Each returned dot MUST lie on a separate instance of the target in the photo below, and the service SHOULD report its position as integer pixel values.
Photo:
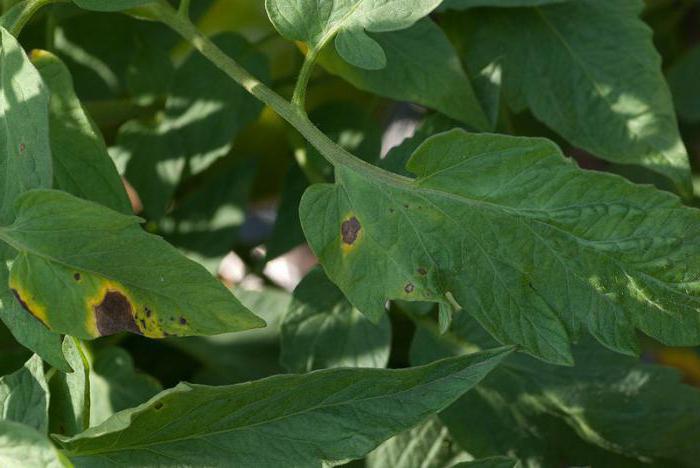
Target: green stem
(184, 8)
(86, 395)
(336, 155)
(18, 16)
(299, 97)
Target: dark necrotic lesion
(115, 314)
(349, 230)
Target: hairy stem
(299, 97)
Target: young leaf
(26, 329)
(589, 70)
(24, 396)
(324, 416)
(88, 271)
(427, 445)
(606, 406)
(69, 410)
(422, 67)
(22, 446)
(322, 330)
(316, 22)
(520, 237)
(82, 165)
(25, 158)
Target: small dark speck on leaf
(349, 230)
(409, 288)
(158, 405)
(22, 147)
(148, 311)
(76, 276)
(422, 271)
(183, 321)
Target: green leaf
(322, 330)
(116, 385)
(111, 5)
(205, 223)
(69, 410)
(427, 445)
(588, 70)
(422, 67)
(200, 120)
(82, 165)
(520, 237)
(325, 416)
(682, 77)
(241, 357)
(26, 329)
(109, 276)
(25, 155)
(24, 396)
(23, 447)
(606, 406)
(316, 22)
(465, 4)
(493, 462)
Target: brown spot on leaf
(148, 311)
(76, 276)
(24, 305)
(22, 147)
(349, 230)
(183, 321)
(422, 271)
(158, 405)
(114, 315)
(409, 288)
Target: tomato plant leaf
(316, 22)
(427, 445)
(70, 393)
(81, 163)
(615, 104)
(109, 276)
(322, 330)
(116, 385)
(111, 5)
(422, 67)
(496, 213)
(328, 415)
(197, 127)
(24, 396)
(562, 415)
(26, 329)
(25, 155)
(23, 446)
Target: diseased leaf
(605, 407)
(197, 127)
(70, 393)
(322, 330)
(88, 271)
(26, 329)
(24, 396)
(316, 22)
(587, 69)
(22, 446)
(683, 79)
(427, 445)
(82, 165)
(116, 385)
(422, 67)
(25, 155)
(519, 237)
(325, 416)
